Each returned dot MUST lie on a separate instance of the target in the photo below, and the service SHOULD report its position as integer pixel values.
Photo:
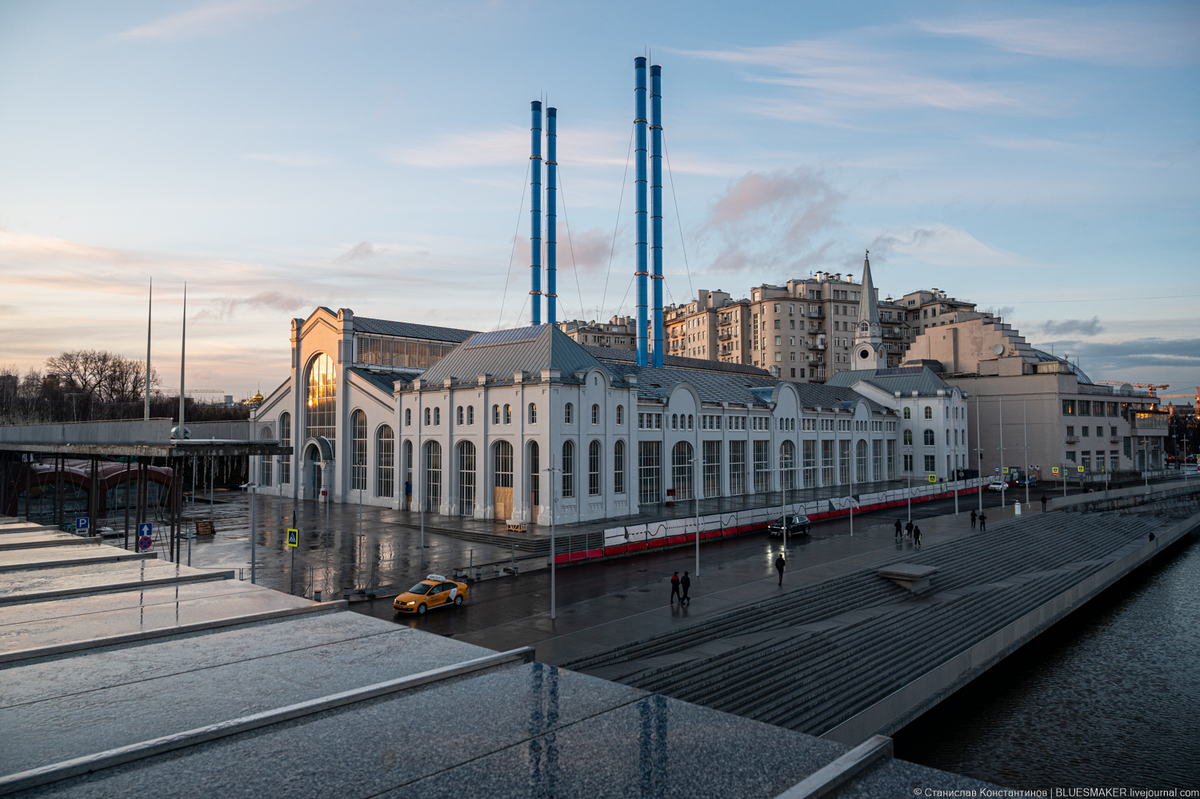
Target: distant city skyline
(1040, 161)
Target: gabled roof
(609, 355)
(385, 381)
(385, 327)
(500, 353)
(905, 379)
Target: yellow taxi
(434, 591)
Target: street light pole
(1025, 426)
(696, 497)
(550, 470)
(979, 452)
(1003, 476)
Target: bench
(205, 527)
(517, 527)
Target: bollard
(1017, 508)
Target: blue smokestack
(535, 215)
(551, 215)
(656, 207)
(639, 93)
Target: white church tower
(868, 339)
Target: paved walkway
(596, 625)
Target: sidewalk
(599, 624)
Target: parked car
(432, 592)
(797, 525)
(998, 485)
(1031, 481)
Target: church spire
(868, 340)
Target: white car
(999, 485)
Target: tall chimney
(551, 215)
(535, 215)
(639, 121)
(656, 208)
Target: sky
(1039, 159)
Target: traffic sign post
(145, 536)
(293, 541)
(933, 478)
(83, 525)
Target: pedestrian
(982, 522)
(908, 528)
(780, 563)
(685, 583)
(898, 528)
(973, 520)
(1043, 503)
(675, 587)
(917, 535)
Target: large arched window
(929, 438)
(619, 467)
(385, 462)
(787, 464)
(533, 413)
(568, 467)
(595, 459)
(466, 479)
(860, 461)
(502, 464)
(264, 472)
(321, 402)
(681, 470)
(433, 477)
(285, 440)
(408, 471)
(358, 462)
(908, 436)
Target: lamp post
(551, 470)
(253, 531)
(696, 497)
(979, 452)
(1025, 426)
(1003, 480)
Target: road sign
(1054, 470)
(997, 470)
(933, 478)
(1079, 469)
(1006, 470)
(145, 529)
(145, 542)
(81, 524)
(293, 537)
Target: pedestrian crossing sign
(1079, 469)
(1054, 470)
(1006, 470)
(933, 478)
(293, 537)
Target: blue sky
(1038, 159)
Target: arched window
(787, 464)
(358, 462)
(428, 416)
(929, 439)
(908, 437)
(595, 458)
(285, 440)
(502, 465)
(466, 479)
(860, 461)
(568, 413)
(321, 402)
(495, 414)
(691, 422)
(681, 470)
(535, 475)
(568, 467)
(264, 462)
(947, 436)
(461, 416)
(908, 413)
(385, 462)
(437, 416)
(674, 421)
(928, 412)
(408, 417)
(433, 477)
(620, 414)
(533, 413)
(470, 415)
(507, 414)
(408, 472)
(595, 414)
(619, 467)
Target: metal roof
(905, 379)
(385, 327)
(607, 355)
(500, 353)
(384, 380)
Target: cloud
(205, 19)
(773, 219)
(268, 300)
(589, 248)
(1083, 36)
(1082, 327)
(943, 245)
(359, 252)
(292, 159)
(1159, 360)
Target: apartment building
(928, 308)
(691, 330)
(619, 333)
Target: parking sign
(81, 524)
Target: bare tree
(100, 376)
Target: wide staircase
(814, 657)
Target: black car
(797, 525)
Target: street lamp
(253, 530)
(551, 470)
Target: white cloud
(206, 18)
(943, 245)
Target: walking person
(982, 522)
(973, 517)
(917, 535)
(780, 564)
(675, 587)
(898, 529)
(1043, 503)
(908, 528)
(685, 583)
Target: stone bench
(910, 576)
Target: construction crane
(1150, 387)
(1196, 397)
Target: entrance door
(314, 473)
(502, 500)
